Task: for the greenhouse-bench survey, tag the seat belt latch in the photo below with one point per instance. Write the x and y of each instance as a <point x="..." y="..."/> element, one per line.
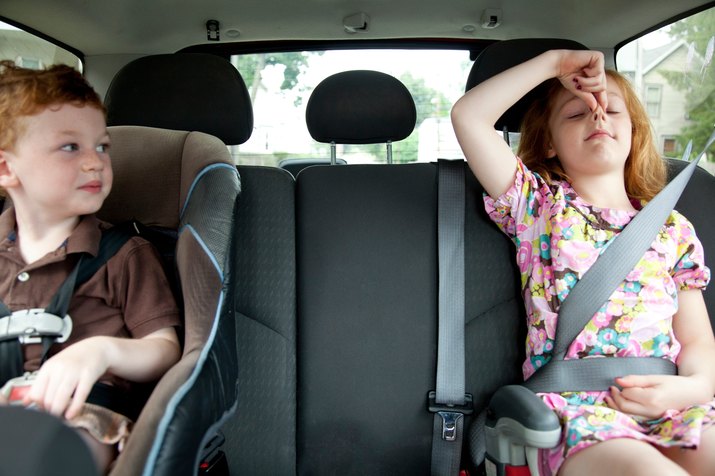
<point x="450" y="414"/>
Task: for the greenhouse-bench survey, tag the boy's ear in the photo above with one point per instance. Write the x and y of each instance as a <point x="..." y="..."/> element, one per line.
<point x="8" y="178"/>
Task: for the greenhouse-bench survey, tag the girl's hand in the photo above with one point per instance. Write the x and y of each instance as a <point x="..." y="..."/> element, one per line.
<point x="583" y="73"/>
<point x="651" y="395"/>
<point x="65" y="380"/>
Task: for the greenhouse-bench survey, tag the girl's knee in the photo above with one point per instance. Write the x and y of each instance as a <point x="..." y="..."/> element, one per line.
<point x="700" y="461"/>
<point x="623" y="457"/>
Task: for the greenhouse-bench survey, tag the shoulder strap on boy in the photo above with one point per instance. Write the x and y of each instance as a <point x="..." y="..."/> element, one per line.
<point x="11" y="361"/>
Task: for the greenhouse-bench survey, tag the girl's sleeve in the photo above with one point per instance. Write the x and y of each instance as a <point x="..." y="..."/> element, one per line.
<point x="690" y="271"/>
<point x="519" y="206"/>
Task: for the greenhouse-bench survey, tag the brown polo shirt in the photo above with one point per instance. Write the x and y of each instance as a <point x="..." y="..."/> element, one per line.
<point x="128" y="297"/>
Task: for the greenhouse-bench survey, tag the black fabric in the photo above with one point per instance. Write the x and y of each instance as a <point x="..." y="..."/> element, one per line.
<point x="360" y="107"/>
<point x="210" y="397"/>
<point x="501" y="56"/>
<point x="693" y="203"/>
<point x="260" y="438"/>
<point x="210" y="96"/>
<point x="367" y="315"/>
<point x="35" y="443"/>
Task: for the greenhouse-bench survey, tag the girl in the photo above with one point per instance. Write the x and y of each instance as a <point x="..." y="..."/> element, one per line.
<point x="586" y="164"/>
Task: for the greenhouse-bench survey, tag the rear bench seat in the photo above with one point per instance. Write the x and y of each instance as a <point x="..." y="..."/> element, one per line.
<point x="336" y="312"/>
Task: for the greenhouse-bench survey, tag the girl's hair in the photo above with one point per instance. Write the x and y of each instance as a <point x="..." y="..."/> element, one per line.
<point x="25" y="92"/>
<point x="645" y="170"/>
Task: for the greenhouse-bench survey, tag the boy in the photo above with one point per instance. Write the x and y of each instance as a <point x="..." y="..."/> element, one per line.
<point x="55" y="167"/>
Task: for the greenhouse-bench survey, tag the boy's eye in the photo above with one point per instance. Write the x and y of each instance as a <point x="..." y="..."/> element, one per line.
<point x="103" y="148"/>
<point x="70" y="147"/>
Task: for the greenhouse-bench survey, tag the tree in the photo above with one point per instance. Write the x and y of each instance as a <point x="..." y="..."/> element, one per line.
<point x="251" y="66"/>
<point x="698" y="31"/>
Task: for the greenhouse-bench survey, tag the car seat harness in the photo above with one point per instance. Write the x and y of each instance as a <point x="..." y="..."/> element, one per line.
<point x="53" y="324"/>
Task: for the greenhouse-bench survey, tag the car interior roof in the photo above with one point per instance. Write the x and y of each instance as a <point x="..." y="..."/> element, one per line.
<point x="141" y="28"/>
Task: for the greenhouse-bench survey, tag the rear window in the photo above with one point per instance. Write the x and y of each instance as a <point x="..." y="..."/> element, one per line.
<point x="280" y="85"/>
<point x="30" y="51"/>
<point x="672" y="71"/>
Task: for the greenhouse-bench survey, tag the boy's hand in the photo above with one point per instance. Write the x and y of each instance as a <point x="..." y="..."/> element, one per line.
<point x="583" y="73"/>
<point x="651" y="395"/>
<point x="65" y="380"/>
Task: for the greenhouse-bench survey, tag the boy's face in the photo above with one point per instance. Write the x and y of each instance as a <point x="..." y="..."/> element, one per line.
<point x="59" y="167"/>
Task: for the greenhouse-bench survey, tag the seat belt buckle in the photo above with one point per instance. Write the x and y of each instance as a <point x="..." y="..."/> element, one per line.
<point x="450" y="414"/>
<point x="16" y="388"/>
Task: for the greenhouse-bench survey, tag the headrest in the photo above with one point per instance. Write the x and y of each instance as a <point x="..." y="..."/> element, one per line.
<point x="154" y="170"/>
<point x="182" y="91"/>
<point x="360" y="107"/>
<point x="501" y="56"/>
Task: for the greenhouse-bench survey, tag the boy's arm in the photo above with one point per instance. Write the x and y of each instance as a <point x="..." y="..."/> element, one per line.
<point x="474" y="115"/>
<point x="65" y="380"/>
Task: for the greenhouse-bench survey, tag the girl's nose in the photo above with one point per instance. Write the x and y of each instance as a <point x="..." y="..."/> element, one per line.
<point x="598" y="114"/>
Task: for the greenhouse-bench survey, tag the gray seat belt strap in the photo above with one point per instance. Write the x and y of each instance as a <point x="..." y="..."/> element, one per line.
<point x="449" y="402"/>
<point x="598" y="283"/>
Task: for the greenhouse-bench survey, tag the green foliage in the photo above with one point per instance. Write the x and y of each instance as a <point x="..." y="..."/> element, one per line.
<point x="698" y="31"/>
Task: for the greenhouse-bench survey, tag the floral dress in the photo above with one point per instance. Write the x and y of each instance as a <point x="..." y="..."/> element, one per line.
<point x="558" y="236"/>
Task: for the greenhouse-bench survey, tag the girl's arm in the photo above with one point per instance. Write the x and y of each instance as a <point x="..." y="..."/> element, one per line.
<point x="474" y="115"/>
<point x="65" y="380"/>
<point x="651" y="395"/>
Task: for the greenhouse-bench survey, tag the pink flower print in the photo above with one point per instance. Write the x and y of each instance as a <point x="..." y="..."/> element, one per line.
<point x="624" y="323"/>
<point x="590" y="338"/>
<point x="578" y="256"/>
<point x="523" y="256"/>
<point x="601" y="319"/>
<point x="613" y="308"/>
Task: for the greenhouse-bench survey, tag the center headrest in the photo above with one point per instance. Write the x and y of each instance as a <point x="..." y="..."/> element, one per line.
<point x="501" y="56"/>
<point x="182" y="91"/>
<point x="360" y="107"/>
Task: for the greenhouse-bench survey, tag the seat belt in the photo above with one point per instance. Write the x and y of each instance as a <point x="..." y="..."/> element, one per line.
<point x="448" y="402"/>
<point x="595" y="288"/>
<point x="19" y="327"/>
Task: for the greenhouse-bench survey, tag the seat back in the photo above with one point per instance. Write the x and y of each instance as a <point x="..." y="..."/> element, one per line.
<point x="185" y="182"/>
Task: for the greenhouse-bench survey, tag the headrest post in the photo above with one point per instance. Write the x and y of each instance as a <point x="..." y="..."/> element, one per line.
<point x="505" y="133"/>
<point x="389" y="151"/>
<point x="333" y="154"/>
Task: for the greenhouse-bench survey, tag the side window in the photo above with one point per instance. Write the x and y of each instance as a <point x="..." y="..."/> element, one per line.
<point x="30" y="51"/>
<point x="672" y="70"/>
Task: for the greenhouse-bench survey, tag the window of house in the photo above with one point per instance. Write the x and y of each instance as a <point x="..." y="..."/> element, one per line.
<point x="673" y="74"/>
<point x="653" y="93"/>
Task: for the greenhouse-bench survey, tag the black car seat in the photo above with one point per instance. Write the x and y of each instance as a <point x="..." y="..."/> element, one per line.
<point x="182" y="181"/>
<point x="701" y="188"/>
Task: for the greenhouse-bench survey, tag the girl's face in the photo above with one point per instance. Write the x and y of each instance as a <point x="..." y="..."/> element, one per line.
<point x="590" y="142"/>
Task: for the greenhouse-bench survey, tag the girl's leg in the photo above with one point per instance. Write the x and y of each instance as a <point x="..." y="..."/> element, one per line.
<point x="621" y="456"/>
<point x="700" y="461"/>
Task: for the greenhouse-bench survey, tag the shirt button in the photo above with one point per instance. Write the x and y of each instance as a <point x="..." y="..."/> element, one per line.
<point x="24" y="276"/>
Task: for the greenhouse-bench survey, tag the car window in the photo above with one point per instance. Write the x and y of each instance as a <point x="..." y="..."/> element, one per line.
<point x="280" y="85"/>
<point x="672" y="71"/>
<point x="30" y="51"/>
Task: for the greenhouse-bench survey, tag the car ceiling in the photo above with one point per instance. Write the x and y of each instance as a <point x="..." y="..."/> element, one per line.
<point x="100" y="27"/>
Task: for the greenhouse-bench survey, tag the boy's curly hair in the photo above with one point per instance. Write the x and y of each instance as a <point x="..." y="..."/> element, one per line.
<point x="645" y="170"/>
<point x="24" y="92"/>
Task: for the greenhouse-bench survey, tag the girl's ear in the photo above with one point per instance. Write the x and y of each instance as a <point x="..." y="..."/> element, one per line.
<point x="8" y="178"/>
<point x="550" y="152"/>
